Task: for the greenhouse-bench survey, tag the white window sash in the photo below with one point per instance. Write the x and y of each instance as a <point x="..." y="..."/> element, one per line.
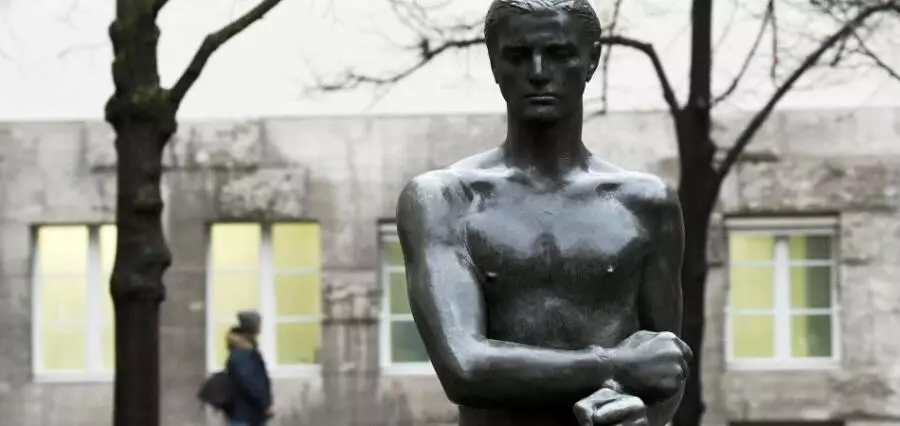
<point x="782" y="313"/>
<point x="94" y="278"/>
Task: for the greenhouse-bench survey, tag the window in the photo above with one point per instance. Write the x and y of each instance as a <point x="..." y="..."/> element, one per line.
<point x="272" y="268"/>
<point x="782" y="306"/>
<point x="73" y="326"/>
<point x="401" y="345"/>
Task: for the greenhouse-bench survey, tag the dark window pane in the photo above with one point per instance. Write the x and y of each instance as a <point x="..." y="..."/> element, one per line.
<point x="811" y="287"/>
<point x="406" y="344"/>
<point x="397" y="291"/>
<point x="392" y="253"/>
<point x="810" y="247"/>
<point x="811" y="336"/>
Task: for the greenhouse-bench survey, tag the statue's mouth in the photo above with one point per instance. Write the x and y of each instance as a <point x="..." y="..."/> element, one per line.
<point x="542" y="99"/>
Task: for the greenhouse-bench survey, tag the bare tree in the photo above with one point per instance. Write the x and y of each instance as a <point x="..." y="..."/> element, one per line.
<point x="702" y="168"/>
<point x="143" y="115"/>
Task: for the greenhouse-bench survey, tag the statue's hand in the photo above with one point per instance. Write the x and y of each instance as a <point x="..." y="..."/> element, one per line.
<point x="652" y="365"/>
<point x="608" y="407"/>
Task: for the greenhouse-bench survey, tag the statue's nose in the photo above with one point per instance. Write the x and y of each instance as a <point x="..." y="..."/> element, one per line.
<point x="537" y="70"/>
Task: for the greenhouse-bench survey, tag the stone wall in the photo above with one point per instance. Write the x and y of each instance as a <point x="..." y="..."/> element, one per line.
<point x="345" y="173"/>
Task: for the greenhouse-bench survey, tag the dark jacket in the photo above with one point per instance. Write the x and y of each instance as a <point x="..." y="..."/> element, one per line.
<point x="248" y="370"/>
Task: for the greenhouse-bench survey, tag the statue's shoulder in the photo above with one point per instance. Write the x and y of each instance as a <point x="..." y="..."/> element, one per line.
<point x="648" y="189"/>
<point x="438" y="198"/>
<point x="433" y="185"/>
<point x="638" y="188"/>
<point x="451" y="184"/>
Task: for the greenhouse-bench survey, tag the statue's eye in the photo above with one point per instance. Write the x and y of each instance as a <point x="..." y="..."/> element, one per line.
<point x="515" y="54"/>
<point x="561" y="51"/>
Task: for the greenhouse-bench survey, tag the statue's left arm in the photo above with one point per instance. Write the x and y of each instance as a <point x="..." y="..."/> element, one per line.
<point x="658" y="307"/>
<point x="659" y="300"/>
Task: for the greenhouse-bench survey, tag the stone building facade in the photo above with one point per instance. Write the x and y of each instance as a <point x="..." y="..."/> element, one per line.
<point x="831" y="174"/>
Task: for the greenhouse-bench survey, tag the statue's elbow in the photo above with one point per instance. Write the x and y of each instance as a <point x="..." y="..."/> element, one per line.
<point x="463" y="379"/>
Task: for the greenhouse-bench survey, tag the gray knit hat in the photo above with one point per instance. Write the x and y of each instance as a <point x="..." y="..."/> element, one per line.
<point x="249" y="321"/>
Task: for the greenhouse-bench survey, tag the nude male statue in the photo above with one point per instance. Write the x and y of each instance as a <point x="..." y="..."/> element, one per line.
<point x="544" y="281"/>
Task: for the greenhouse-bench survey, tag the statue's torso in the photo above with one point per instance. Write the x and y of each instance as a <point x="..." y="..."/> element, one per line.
<point x="557" y="269"/>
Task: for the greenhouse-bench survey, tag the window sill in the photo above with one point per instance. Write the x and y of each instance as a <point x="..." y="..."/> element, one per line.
<point x="410" y="369"/>
<point x="74" y="378"/>
<point x="784" y="365"/>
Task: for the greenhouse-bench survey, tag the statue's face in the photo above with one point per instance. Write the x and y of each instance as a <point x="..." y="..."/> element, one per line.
<point x="542" y="61"/>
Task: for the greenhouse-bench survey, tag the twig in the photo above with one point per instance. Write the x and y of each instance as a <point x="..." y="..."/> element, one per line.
<point x="874" y="57"/>
<point x="427" y="53"/>
<point x="647" y="48"/>
<point x="747" y="134"/>
<point x="773" y="69"/>
<point x="740" y="75"/>
<point x="604" y="73"/>
<point x="211" y="43"/>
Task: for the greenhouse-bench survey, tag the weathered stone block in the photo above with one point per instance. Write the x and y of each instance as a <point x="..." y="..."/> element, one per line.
<point x="799" y="185"/>
<point x="265" y="193"/>
<point x="216" y="144"/>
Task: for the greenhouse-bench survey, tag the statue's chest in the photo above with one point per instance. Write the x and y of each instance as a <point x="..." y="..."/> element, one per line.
<point x="553" y="239"/>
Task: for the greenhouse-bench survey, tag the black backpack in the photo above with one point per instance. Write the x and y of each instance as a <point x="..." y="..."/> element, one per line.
<point x="218" y="391"/>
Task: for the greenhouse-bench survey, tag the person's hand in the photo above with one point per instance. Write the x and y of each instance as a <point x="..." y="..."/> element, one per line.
<point x="652" y="365"/>
<point x="608" y="407"/>
<point x="270" y="412"/>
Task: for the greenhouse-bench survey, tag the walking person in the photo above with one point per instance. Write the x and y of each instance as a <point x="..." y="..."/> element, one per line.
<point x="252" y="404"/>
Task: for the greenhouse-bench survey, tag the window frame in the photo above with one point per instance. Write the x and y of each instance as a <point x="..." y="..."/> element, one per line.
<point x="387" y="233"/>
<point x="267" y="307"/>
<point x="94" y="324"/>
<point x="781" y="229"/>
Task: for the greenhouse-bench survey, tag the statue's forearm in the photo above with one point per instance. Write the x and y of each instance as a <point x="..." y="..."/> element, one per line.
<point x="505" y="374"/>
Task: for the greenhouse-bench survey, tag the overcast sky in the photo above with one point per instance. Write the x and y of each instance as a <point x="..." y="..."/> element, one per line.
<point x="55" y="56"/>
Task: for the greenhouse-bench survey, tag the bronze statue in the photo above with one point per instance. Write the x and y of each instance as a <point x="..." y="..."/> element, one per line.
<point x="545" y="282"/>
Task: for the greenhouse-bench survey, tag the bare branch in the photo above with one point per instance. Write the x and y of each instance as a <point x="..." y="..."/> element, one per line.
<point x="740" y="75"/>
<point x="211" y="43"/>
<point x="647" y="48"/>
<point x="773" y="70"/>
<point x="747" y="134"/>
<point x="840" y="51"/>
<point x="875" y="58"/>
<point x="604" y="73"/>
<point x="426" y="54"/>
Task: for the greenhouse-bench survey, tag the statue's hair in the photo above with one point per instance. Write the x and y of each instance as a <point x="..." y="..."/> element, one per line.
<point x="580" y="9"/>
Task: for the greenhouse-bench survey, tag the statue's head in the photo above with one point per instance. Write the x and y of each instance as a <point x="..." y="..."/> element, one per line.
<point x="543" y="52"/>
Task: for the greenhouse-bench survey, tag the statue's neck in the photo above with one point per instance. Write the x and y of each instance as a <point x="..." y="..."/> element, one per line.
<point x="550" y="149"/>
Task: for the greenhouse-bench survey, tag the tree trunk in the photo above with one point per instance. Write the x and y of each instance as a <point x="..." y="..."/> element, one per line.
<point x="141" y="259"/>
<point x="693" y="279"/>
<point x="143" y="117"/>
<point x="698" y="191"/>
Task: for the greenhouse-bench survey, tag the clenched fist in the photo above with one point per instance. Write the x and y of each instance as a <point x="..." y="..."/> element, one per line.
<point x="652" y="365"/>
<point x="608" y="407"/>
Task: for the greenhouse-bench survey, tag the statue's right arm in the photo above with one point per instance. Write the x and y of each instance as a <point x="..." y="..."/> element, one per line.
<point x="449" y="310"/>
